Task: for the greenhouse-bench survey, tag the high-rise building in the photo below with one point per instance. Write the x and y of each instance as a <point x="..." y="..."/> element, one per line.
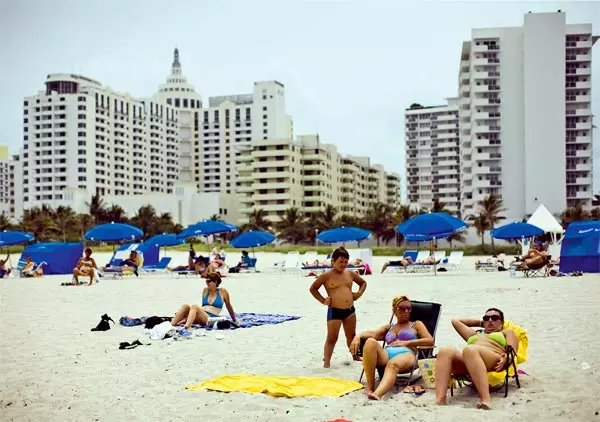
<point x="432" y="155"/>
<point x="525" y="115"/>
<point x="213" y="137"/>
<point x="275" y="175"/>
<point x="78" y="134"/>
<point x="4" y="181"/>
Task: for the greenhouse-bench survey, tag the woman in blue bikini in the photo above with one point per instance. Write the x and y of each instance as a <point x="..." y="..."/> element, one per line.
<point x="213" y="299"/>
<point x="401" y="340"/>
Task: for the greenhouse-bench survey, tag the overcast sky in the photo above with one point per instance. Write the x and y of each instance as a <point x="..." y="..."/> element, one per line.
<point x="350" y="68"/>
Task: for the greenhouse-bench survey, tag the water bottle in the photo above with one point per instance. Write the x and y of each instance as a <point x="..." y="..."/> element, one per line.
<point x="513" y="271"/>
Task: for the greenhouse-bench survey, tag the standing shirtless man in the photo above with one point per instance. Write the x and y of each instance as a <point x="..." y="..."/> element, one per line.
<point x="340" y="300"/>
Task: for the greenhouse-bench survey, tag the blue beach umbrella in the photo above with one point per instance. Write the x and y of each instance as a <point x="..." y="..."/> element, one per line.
<point x="343" y="234"/>
<point x="165" y="239"/>
<point x="14" y="237"/>
<point x="206" y="228"/>
<point x="113" y="232"/>
<point x="516" y="231"/>
<point x="252" y="239"/>
<point x="430" y="226"/>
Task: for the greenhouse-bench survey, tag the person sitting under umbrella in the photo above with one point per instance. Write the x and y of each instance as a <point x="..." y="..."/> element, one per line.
<point x="244" y="263"/>
<point x="4" y="272"/>
<point x="131" y="263"/>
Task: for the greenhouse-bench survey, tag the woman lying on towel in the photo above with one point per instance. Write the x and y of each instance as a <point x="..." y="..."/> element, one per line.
<point x="213" y="299"/>
<point x="485" y="352"/>
<point x="401" y="341"/>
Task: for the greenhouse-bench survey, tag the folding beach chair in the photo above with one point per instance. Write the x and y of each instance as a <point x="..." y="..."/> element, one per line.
<point x="161" y="267"/>
<point x="539" y="270"/>
<point x="510" y="368"/>
<point x="429" y="314"/>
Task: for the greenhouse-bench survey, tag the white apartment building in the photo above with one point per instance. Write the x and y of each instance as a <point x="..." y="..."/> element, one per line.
<point x="525" y="115"/>
<point x="275" y="175"/>
<point x="432" y="155"/>
<point x="213" y="137"/>
<point x="78" y="134"/>
<point x="5" y="181"/>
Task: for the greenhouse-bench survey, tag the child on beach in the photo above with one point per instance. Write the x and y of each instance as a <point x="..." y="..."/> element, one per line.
<point x="340" y="301"/>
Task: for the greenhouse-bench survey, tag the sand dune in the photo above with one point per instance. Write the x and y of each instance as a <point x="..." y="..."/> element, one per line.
<point x="54" y="368"/>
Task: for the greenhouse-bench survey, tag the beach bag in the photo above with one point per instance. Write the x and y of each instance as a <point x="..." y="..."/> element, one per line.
<point x="427" y="367"/>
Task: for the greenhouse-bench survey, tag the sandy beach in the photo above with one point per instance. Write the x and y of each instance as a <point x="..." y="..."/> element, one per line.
<point x="55" y="369"/>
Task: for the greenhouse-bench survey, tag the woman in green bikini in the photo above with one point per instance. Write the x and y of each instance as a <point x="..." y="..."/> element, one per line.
<point x="485" y="352"/>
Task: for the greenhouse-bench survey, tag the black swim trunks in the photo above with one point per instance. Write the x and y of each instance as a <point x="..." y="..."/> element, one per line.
<point x="337" y="313"/>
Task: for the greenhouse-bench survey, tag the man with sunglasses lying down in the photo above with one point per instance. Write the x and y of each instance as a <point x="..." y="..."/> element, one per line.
<point x="485" y="352"/>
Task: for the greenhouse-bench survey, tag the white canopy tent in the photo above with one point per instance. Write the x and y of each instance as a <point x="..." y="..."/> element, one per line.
<point x="543" y="219"/>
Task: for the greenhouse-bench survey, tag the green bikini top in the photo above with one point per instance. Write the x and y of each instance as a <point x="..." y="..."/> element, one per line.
<point x="497" y="337"/>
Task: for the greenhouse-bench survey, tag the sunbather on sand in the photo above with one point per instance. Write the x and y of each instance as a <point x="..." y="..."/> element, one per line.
<point x="213" y="299"/>
<point x="131" y="263"/>
<point x="317" y="263"/>
<point x="30" y="270"/>
<point x="404" y="262"/>
<point x="4" y="272"/>
<point x="340" y="301"/>
<point x="493" y="260"/>
<point x="86" y="266"/>
<point x="398" y="356"/>
<point x="485" y="352"/>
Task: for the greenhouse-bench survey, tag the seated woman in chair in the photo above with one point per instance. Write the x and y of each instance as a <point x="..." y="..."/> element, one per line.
<point x="485" y="352"/>
<point x="213" y="299"/>
<point x="398" y="355"/>
<point x="534" y="258"/>
<point x="131" y="263"/>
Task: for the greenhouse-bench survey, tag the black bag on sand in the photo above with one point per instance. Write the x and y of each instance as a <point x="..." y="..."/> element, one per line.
<point x="103" y="325"/>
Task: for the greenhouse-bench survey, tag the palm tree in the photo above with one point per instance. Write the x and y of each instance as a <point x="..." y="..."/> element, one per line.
<point x="459" y="237"/>
<point x="145" y="218"/>
<point x="576" y="213"/>
<point x="84" y="223"/>
<point x="481" y="224"/>
<point x="491" y="206"/>
<point x="379" y="219"/>
<point x="65" y="220"/>
<point x="292" y="226"/>
<point x="215" y="217"/>
<point x="39" y="221"/>
<point x="439" y="206"/>
<point x="348" y="220"/>
<point x="97" y="210"/>
<point x="4" y="223"/>
<point x="257" y="220"/>
<point x="114" y="213"/>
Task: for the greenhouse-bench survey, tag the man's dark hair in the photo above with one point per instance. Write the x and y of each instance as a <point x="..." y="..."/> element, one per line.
<point x="340" y="252"/>
<point x="88" y="250"/>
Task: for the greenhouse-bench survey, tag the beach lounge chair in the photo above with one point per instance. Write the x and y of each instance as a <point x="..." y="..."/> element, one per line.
<point x="291" y="263"/>
<point x="278" y="261"/>
<point x="497" y="380"/>
<point x="116" y="272"/>
<point x="161" y="267"/>
<point x="454" y="260"/>
<point x="419" y="265"/>
<point x="429" y="314"/>
<point x="251" y="268"/>
<point x="397" y="267"/>
<point x="540" y="270"/>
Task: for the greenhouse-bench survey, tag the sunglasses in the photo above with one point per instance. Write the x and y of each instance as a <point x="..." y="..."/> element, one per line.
<point x="491" y="317"/>
<point x="404" y="308"/>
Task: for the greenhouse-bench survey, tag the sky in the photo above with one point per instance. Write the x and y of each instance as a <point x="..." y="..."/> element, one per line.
<point x="350" y="68"/>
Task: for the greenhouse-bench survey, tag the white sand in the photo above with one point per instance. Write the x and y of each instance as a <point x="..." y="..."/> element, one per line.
<point x="54" y="368"/>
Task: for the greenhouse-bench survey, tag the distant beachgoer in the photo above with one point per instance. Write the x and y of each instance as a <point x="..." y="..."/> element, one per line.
<point x="404" y="262"/>
<point x="4" y="272"/>
<point x="86" y="267"/>
<point x="213" y="299"/>
<point x="340" y="301"/>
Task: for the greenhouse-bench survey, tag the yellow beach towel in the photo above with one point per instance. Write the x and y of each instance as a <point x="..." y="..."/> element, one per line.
<point x="495" y="378"/>
<point x="280" y="386"/>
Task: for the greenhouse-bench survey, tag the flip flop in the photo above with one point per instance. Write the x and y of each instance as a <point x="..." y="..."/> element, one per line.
<point x="125" y="345"/>
<point x="414" y="389"/>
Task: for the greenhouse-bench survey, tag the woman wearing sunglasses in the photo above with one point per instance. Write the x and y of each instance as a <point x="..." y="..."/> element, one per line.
<point x="213" y="299"/>
<point x="485" y="352"/>
<point x="398" y="355"/>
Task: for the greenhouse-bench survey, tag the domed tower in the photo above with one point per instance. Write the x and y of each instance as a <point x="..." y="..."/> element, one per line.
<point x="177" y="91"/>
